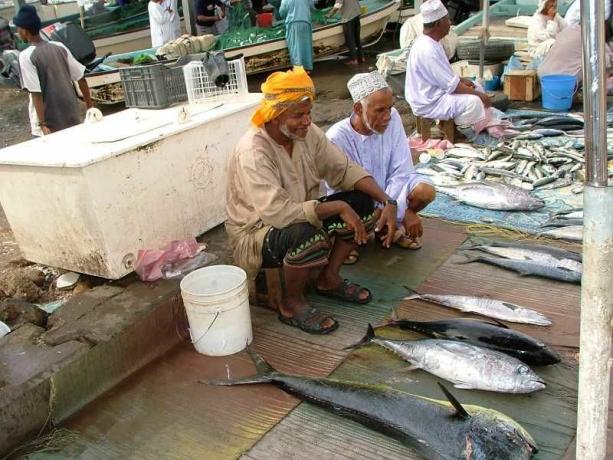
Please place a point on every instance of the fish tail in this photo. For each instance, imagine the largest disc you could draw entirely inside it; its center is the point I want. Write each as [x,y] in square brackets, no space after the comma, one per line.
[265,373]
[392,321]
[413,294]
[469,258]
[370,334]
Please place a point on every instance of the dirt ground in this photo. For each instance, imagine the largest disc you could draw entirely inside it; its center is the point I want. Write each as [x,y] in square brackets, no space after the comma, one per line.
[34,283]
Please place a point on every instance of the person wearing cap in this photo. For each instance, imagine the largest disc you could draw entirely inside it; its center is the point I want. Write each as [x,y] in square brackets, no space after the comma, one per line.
[544,26]
[431,88]
[298,31]
[276,217]
[373,137]
[47,72]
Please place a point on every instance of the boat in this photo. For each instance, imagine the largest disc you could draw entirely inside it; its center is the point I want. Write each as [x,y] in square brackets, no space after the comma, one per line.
[50,11]
[407,9]
[328,40]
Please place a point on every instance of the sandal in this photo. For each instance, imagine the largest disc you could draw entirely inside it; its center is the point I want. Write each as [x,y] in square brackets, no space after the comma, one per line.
[310,320]
[407,242]
[352,258]
[347,291]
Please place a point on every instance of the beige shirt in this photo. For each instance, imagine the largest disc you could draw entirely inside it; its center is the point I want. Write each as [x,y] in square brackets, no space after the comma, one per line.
[269,188]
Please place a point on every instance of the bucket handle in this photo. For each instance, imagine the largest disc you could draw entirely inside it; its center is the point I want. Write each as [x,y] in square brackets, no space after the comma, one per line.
[194,342]
[553,96]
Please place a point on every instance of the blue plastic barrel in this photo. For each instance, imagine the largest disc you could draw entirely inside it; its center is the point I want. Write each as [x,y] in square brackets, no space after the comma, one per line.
[558,91]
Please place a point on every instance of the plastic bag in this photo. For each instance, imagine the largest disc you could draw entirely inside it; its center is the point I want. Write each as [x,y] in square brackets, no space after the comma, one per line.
[186,266]
[151,263]
[513,64]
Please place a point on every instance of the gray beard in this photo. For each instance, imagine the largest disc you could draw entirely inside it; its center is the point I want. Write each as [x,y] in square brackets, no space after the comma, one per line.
[368,126]
[287,133]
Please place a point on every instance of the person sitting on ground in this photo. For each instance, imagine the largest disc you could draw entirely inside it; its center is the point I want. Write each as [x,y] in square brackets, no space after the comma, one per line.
[566,56]
[47,72]
[432,89]
[544,26]
[350,17]
[275,218]
[374,138]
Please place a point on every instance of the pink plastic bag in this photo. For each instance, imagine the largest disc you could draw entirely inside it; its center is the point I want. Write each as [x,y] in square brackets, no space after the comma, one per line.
[150,263]
[416,144]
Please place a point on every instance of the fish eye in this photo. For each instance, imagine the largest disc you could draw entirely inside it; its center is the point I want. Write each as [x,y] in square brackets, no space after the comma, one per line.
[523,370]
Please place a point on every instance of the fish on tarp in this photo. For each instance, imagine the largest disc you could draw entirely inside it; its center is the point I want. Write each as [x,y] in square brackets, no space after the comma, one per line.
[563,223]
[547,255]
[570,214]
[467,366]
[465,152]
[558,120]
[497,337]
[571,233]
[484,306]
[444,430]
[528,267]
[495,196]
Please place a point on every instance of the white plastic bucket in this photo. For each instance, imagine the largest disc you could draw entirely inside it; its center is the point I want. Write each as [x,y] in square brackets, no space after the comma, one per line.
[216,300]
[4,329]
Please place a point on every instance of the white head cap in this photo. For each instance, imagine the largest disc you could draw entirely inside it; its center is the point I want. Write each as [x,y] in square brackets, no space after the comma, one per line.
[432,11]
[362,85]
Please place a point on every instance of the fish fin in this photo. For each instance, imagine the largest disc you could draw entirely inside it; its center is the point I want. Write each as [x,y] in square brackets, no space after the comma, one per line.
[463,386]
[468,259]
[392,321]
[370,334]
[512,306]
[501,324]
[460,411]
[265,373]
[413,294]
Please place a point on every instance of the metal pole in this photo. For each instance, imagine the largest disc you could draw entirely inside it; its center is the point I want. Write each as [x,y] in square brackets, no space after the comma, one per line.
[596,294]
[189,17]
[484,37]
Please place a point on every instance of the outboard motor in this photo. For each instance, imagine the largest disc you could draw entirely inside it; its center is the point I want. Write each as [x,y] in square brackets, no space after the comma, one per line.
[77,41]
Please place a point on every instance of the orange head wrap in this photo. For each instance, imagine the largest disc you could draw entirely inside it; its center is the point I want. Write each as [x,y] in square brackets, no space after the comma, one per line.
[280,90]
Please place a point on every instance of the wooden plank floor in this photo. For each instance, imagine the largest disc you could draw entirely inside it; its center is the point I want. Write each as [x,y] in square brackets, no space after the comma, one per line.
[161,412]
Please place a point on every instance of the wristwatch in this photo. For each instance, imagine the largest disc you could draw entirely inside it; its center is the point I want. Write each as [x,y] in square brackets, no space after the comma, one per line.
[392,202]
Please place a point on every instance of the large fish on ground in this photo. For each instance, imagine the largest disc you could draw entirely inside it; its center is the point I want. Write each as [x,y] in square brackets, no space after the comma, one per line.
[467,366]
[485,306]
[546,255]
[528,268]
[495,196]
[436,429]
[571,233]
[481,333]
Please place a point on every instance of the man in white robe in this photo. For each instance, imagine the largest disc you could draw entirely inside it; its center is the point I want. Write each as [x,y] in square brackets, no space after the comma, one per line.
[544,27]
[162,29]
[373,137]
[431,88]
[573,13]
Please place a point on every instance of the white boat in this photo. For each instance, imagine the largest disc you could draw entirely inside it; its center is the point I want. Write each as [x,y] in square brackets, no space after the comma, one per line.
[328,40]
[47,12]
[406,10]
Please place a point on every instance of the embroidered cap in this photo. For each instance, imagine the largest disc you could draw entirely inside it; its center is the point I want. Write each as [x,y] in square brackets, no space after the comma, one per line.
[362,85]
[432,11]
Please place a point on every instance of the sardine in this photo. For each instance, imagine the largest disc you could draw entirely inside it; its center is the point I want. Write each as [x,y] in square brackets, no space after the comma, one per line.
[528,267]
[491,195]
[462,152]
[484,306]
[436,429]
[484,334]
[467,366]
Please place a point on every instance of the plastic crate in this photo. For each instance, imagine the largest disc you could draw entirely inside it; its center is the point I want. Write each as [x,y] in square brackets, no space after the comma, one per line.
[154,86]
[200,88]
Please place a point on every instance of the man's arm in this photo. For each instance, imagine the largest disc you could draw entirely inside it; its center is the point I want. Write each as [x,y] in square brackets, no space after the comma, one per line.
[39,106]
[84,87]
[387,220]
[464,88]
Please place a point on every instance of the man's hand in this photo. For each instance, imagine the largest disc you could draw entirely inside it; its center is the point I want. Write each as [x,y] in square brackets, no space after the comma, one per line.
[387,221]
[45,129]
[353,221]
[412,224]
[468,82]
[487,102]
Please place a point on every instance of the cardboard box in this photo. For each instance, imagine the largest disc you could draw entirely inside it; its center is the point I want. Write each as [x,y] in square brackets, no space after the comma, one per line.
[522,85]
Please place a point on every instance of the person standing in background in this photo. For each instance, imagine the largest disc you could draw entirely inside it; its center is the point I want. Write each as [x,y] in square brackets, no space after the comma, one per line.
[47,72]
[350,17]
[298,31]
[208,14]
[159,23]
[175,19]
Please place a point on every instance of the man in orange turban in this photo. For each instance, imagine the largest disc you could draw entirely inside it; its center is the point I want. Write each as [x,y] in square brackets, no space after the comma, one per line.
[276,217]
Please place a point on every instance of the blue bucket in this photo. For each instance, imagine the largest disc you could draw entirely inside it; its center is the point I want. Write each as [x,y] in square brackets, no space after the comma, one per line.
[493,84]
[558,91]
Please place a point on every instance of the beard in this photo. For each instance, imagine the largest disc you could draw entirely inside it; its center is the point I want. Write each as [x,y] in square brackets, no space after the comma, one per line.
[369,126]
[287,133]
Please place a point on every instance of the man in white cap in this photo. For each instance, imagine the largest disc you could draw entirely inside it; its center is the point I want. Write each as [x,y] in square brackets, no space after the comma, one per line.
[432,89]
[373,137]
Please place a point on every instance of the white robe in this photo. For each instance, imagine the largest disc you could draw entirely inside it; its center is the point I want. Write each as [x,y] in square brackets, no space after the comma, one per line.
[175,19]
[573,14]
[542,32]
[430,84]
[160,24]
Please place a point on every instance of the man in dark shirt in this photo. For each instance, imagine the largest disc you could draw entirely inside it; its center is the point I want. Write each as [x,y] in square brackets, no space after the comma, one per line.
[47,72]
[207,16]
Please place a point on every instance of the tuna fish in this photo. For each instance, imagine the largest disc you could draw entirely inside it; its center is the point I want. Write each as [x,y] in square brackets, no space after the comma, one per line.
[571,233]
[436,429]
[481,333]
[491,195]
[546,255]
[467,366]
[485,306]
[529,267]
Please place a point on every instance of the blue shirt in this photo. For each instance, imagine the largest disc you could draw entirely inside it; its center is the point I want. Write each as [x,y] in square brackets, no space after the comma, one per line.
[296,10]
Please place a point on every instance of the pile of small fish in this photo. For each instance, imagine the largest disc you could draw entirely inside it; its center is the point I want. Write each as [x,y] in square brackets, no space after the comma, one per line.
[531,259]
[524,164]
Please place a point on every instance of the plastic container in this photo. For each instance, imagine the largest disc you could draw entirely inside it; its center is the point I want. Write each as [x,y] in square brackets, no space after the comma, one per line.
[493,84]
[558,91]
[216,300]
[264,20]
[154,86]
[201,88]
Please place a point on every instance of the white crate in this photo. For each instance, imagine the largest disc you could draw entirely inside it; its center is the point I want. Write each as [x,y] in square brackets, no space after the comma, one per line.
[200,88]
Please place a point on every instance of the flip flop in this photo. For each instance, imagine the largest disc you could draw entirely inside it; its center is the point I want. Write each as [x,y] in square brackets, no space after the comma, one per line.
[342,292]
[352,258]
[310,321]
[407,242]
